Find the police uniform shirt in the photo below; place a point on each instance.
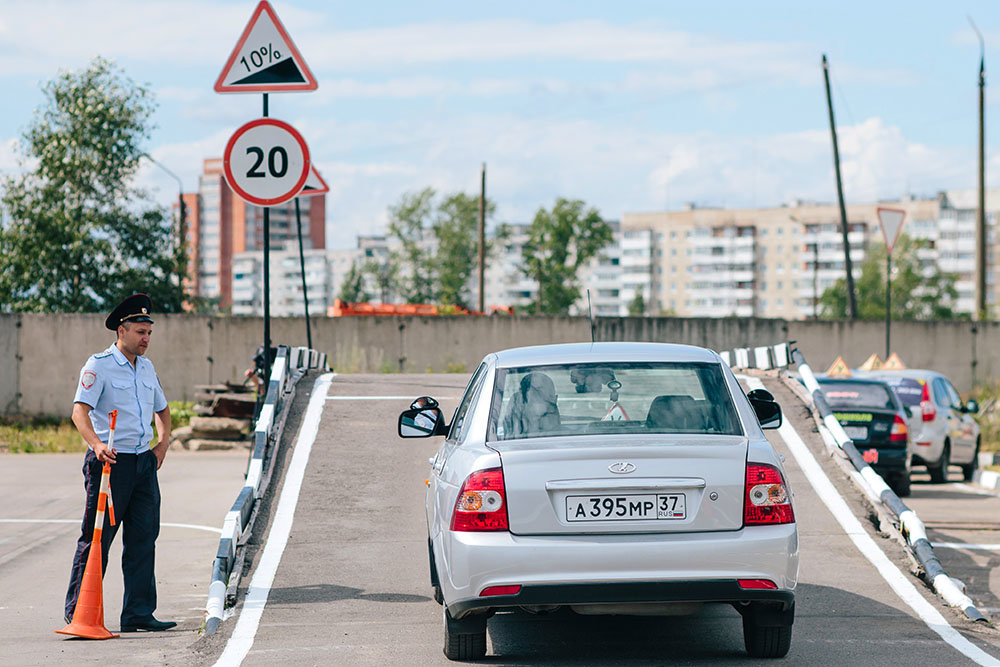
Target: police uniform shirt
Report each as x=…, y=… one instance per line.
x=109, y=382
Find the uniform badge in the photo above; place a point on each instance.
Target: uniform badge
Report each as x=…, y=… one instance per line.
x=88, y=379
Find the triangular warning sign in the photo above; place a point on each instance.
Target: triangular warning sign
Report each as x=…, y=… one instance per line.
x=891, y=222
x=265, y=59
x=873, y=363
x=839, y=369
x=893, y=363
x=315, y=185
x=616, y=414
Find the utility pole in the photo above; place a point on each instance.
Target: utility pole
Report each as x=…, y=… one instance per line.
x=482, y=241
x=852, y=305
x=981, y=310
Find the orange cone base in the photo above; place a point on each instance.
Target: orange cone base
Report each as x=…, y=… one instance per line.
x=87, y=631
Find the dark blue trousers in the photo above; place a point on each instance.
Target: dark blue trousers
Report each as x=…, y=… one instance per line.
x=136, y=494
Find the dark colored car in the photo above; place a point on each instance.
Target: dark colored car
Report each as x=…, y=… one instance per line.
x=874, y=418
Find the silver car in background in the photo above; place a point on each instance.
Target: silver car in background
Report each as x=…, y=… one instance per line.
x=942, y=429
x=610, y=478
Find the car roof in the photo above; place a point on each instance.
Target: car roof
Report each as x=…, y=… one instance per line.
x=853, y=379
x=569, y=353
x=915, y=373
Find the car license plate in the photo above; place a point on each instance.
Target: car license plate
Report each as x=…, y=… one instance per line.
x=856, y=432
x=631, y=507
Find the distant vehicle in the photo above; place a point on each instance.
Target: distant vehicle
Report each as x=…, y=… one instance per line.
x=874, y=418
x=942, y=429
x=610, y=478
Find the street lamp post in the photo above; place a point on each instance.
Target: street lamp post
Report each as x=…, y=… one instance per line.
x=181, y=222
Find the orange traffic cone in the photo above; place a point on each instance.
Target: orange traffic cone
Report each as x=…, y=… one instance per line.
x=88, y=616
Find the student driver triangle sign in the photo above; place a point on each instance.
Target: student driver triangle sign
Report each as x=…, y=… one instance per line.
x=265, y=59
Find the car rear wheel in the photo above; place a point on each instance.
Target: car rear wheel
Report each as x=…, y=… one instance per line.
x=901, y=485
x=766, y=642
x=464, y=639
x=939, y=471
x=970, y=468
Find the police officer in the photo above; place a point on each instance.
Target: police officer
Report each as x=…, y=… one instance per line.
x=121, y=378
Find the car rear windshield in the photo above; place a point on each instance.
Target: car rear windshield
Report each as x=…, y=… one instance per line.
x=857, y=395
x=909, y=390
x=619, y=397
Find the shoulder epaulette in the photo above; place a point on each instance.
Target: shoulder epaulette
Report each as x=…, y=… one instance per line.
x=101, y=355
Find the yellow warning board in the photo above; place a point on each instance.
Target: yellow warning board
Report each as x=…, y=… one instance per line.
x=873, y=363
x=839, y=369
x=893, y=363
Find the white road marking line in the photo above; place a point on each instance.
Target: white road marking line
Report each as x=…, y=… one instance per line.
x=382, y=398
x=960, y=545
x=260, y=586
x=899, y=583
x=192, y=526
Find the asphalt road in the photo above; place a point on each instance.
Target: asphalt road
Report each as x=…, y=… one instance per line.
x=41, y=505
x=352, y=587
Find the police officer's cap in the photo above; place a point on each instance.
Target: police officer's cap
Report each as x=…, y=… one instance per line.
x=135, y=308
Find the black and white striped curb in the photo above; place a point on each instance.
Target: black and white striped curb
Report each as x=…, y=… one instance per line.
x=764, y=358
x=911, y=526
x=289, y=366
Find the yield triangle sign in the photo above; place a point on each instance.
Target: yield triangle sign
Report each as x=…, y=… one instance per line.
x=616, y=414
x=873, y=363
x=315, y=185
x=891, y=222
x=893, y=363
x=839, y=369
x=265, y=59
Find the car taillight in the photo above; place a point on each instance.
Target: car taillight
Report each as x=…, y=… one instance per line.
x=757, y=584
x=482, y=503
x=927, y=411
x=899, y=430
x=767, y=500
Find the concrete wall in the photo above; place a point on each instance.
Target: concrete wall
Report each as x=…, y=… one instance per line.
x=44, y=353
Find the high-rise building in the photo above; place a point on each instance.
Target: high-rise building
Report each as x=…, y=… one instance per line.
x=221, y=225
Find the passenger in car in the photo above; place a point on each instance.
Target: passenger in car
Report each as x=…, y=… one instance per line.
x=533, y=409
x=673, y=413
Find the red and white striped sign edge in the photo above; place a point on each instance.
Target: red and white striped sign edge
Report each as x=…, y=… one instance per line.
x=264, y=31
x=249, y=197
x=891, y=222
x=315, y=185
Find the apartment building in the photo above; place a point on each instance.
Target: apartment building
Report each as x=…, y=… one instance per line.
x=221, y=225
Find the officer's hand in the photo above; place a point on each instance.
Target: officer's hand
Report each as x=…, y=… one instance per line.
x=104, y=454
x=160, y=452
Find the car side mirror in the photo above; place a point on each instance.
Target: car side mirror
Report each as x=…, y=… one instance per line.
x=972, y=406
x=768, y=411
x=908, y=410
x=421, y=423
x=761, y=395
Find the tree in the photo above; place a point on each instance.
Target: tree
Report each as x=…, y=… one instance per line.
x=408, y=221
x=559, y=242
x=77, y=236
x=352, y=290
x=457, y=232
x=637, y=306
x=916, y=294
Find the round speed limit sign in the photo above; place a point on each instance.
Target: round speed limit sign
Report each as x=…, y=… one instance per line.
x=266, y=162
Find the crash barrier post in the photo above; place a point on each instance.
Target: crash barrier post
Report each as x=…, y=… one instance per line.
x=911, y=526
x=290, y=364
x=88, y=615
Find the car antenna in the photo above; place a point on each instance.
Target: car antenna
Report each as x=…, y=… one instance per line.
x=590, y=307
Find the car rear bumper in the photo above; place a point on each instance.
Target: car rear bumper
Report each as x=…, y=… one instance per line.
x=615, y=568
x=889, y=460
x=721, y=590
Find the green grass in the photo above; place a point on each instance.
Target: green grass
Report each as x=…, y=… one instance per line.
x=988, y=397
x=49, y=435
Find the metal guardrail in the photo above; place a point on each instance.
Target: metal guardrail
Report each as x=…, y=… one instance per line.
x=289, y=366
x=780, y=356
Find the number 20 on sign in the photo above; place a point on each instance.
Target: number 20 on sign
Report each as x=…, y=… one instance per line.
x=266, y=162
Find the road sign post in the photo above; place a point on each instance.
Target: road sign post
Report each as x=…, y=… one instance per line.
x=891, y=222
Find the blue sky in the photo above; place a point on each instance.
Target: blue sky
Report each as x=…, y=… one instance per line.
x=630, y=106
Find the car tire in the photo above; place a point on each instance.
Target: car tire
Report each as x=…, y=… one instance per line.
x=970, y=468
x=464, y=639
x=939, y=471
x=901, y=485
x=762, y=641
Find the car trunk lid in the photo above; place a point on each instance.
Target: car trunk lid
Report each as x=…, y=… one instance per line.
x=641, y=484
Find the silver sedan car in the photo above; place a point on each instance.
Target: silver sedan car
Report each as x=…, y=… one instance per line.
x=610, y=478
